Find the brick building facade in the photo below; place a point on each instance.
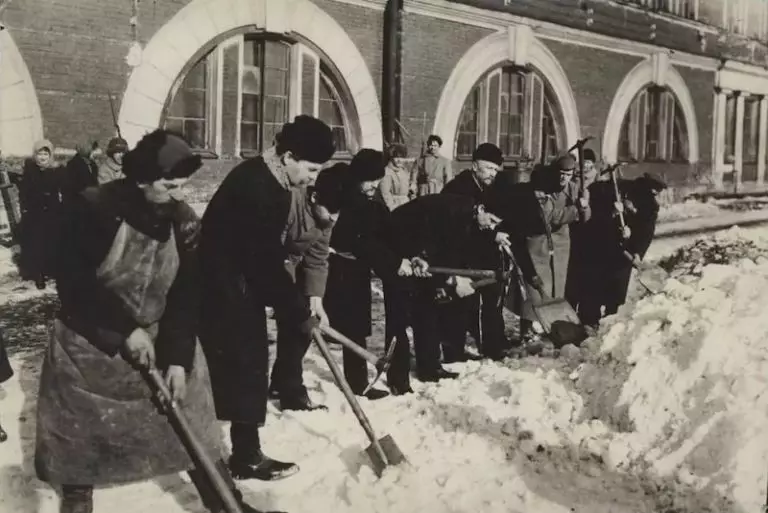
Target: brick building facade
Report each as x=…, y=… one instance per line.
x=676, y=86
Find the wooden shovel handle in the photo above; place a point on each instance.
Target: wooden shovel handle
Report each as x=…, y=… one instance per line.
x=466, y=273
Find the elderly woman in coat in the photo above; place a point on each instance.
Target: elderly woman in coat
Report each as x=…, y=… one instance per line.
x=537, y=214
x=128, y=287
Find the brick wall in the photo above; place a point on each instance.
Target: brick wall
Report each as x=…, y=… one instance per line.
x=431, y=49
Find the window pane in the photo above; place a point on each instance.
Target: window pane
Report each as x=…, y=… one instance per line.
x=330, y=111
x=249, y=137
x=308, y=65
x=276, y=54
x=250, y=108
x=252, y=80
x=251, y=52
x=188, y=110
x=730, y=128
x=466, y=141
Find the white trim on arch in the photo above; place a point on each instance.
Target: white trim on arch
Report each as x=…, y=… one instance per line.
x=200, y=21
x=515, y=45
x=654, y=70
x=21, y=123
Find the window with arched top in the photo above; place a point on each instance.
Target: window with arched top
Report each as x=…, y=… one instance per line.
x=234, y=100
x=654, y=128
x=515, y=109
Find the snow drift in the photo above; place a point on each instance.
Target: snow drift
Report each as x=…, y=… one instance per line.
x=662, y=412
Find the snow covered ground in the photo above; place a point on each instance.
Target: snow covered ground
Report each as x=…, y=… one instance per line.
x=663, y=411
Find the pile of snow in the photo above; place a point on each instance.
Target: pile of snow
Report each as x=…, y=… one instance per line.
x=690, y=209
x=683, y=375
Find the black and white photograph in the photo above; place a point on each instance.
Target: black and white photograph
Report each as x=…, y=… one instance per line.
x=386, y=256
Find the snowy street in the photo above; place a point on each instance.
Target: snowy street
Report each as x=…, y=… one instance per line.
x=665, y=410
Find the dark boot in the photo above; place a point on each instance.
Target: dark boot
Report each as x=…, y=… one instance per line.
x=3, y=435
x=76, y=499
x=436, y=375
x=249, y=462
x=401, y=389
x=374, y=394
x=211, y=499
x=300, y=403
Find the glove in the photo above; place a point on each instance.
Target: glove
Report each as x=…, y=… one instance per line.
x=619, y=206
x=420, y=267
x=309, y=325
x=405, y=268
x=464, y=287
x=502, y=239
x=626, y=232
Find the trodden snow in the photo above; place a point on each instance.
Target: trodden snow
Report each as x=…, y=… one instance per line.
x=664, y=410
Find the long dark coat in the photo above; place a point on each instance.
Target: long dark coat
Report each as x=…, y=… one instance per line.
x=79, y=174
x=243, y=262
x=40, y=203
x=538, y=223
x=6, y=372
x=126, y=265
x=362, y=231
x=607, y=268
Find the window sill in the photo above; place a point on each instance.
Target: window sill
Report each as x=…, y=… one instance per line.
x=205, y=154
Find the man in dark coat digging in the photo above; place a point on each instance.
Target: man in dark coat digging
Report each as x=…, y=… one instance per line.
x=608, y=269
x=129, y=287
x=361, y=243
x=486, y=306
x=536, y=214
x=439, y=230
x=244, y=256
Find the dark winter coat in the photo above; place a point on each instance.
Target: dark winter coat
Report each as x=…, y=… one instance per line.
x=243, y=261
x=40, y=202
x=79, y=174
x=441, y=228
x=538, y=224
x=126, y=265
x=363, y=232
x=6, y=372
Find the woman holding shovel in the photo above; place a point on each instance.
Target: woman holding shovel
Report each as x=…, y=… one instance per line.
x=127, y=284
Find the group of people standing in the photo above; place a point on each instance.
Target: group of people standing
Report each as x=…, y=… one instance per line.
x=144, y=283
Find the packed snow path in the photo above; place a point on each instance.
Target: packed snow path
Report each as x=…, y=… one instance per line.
x=623, y=427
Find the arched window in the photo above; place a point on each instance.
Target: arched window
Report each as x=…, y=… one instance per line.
x=654, y=128
x=234, y=100
x=516, y=110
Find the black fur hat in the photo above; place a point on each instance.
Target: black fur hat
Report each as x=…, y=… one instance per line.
x=489, y=153
x=307, y=138
x=367, y=165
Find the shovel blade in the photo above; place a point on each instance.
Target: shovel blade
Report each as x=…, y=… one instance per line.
x=652, y=279
x=392, y=453
x=560, y=322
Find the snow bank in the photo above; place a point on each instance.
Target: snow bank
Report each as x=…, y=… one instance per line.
x=685, y=373
x=690, y=209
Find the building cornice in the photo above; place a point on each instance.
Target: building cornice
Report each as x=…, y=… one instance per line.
x=498, y=20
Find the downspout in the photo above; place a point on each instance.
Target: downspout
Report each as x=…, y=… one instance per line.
x=392, y=70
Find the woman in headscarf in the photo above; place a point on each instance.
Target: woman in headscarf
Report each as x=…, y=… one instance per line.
x=129, y=289
x=40, y=202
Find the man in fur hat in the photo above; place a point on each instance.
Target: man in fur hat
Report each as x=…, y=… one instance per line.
x=112, y=168
x=441, y=230
x=361, y=244
x=483, y=310
x=243, y=253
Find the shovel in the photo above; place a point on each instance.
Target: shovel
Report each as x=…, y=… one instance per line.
x=382, y=451
x=381, y=364
x=196, y=450
x=557, y=317
x=652, y=277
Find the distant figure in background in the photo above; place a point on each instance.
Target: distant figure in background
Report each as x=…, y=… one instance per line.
x=80, y=172
x=112, y=168
x=40, y=201
x=395, y=185
x=431, y=171
x=5, y=374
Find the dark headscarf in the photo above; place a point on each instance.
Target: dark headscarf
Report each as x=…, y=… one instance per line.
x=160, y=154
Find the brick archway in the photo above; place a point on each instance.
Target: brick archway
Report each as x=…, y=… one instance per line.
x=21, y=123
x=517, y=45
x=201, y=21
x=654, y=70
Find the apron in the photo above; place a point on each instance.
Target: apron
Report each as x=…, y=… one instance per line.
x=96, y=421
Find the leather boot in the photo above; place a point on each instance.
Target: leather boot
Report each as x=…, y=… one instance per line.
x=249, y=462
x=3, y=435
x=76, y=499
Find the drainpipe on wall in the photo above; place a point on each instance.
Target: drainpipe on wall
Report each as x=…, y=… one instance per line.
x=392, y=70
